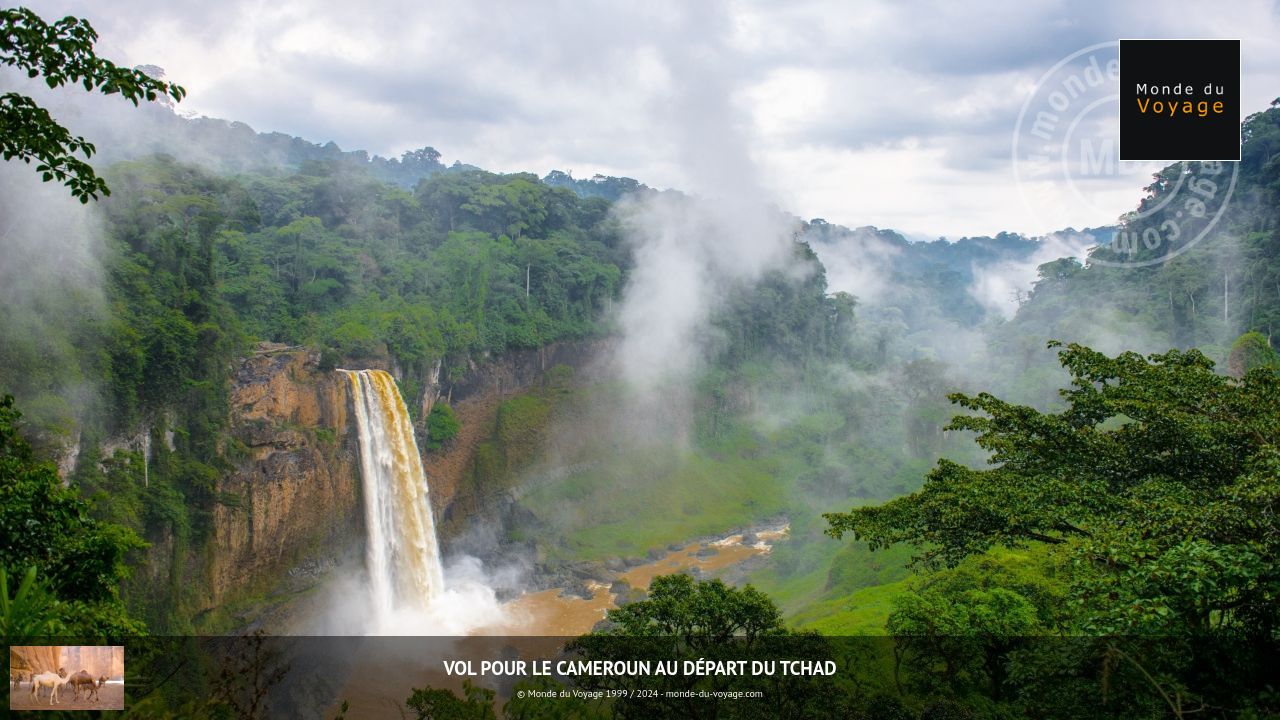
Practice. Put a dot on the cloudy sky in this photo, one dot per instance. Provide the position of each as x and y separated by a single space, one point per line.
895 114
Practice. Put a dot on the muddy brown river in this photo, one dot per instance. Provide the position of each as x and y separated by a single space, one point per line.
550 613
536 626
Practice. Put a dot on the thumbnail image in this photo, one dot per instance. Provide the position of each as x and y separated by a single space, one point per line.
66 677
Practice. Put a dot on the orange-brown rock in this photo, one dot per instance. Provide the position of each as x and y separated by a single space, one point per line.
294 502
292 508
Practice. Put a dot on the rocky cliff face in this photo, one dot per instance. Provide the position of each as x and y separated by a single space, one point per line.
295 506
103 660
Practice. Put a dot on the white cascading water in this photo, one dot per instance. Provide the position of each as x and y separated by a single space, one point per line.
403 556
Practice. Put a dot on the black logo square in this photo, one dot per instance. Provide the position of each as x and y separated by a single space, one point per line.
1179 100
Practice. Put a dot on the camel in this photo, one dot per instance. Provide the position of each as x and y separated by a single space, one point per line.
81 679
53 680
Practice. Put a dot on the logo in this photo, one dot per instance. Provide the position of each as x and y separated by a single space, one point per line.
1180 100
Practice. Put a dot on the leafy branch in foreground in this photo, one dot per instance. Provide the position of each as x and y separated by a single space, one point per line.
62 53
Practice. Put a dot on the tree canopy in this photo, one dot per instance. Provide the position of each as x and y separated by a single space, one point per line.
1155 480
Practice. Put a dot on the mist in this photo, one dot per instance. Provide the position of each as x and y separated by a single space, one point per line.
51 292
52 246
472 602
861 264
1001 286
688 250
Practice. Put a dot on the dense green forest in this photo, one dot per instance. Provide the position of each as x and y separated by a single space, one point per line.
199 265
1110 497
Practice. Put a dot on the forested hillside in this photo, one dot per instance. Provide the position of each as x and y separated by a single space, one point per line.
1207 296
201 265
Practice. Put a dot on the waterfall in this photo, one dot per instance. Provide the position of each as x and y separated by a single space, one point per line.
403 557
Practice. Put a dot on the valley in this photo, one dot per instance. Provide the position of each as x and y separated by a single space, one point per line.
298 424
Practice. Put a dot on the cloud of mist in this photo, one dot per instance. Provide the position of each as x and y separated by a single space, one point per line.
688 249
687 252
860 263
999 285
120 131
51 243
51 292
469 603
